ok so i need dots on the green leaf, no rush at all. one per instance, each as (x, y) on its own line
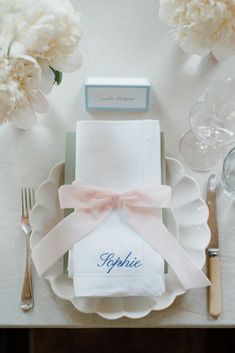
(58, 76)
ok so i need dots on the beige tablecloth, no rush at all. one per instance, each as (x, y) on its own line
(119, 40)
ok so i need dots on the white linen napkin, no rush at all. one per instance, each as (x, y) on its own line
(120, 155)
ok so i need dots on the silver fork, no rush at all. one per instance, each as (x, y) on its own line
(27, 202)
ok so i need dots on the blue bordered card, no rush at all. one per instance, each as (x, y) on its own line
(117, 93)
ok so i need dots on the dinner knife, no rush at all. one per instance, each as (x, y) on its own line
(215, 302)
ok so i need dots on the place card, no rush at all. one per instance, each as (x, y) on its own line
(116, 93)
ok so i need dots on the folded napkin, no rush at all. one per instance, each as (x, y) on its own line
(116, 230)
(113, 260)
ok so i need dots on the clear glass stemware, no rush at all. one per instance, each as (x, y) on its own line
(212, 120)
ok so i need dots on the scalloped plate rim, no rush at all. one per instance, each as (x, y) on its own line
(123, 313)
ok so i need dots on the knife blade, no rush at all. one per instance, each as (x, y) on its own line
(215, 302)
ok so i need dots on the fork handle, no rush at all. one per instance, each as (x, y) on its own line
(27, 290)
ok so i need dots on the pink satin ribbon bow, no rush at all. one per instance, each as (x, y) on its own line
(140, 208)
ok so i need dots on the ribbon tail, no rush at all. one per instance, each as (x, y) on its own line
(62, 238)
(151, 228)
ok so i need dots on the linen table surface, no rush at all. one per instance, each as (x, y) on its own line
(119, 40)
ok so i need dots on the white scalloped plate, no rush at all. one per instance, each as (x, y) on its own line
(190, 214)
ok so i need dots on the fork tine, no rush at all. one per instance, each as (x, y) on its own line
(33, 197)
(22, 203)
(26, 202)
(30, 199)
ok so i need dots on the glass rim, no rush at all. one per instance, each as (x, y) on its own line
(225, 162)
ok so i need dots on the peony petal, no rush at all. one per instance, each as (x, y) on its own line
(36, 66)
(223, 52)
(5, 105)
(69, 64)
(27, 57)
(24, 120)
(191, 47)
(18, 49)
(39, 102)
(47, 79)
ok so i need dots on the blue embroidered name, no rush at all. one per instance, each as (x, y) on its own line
(108, 260)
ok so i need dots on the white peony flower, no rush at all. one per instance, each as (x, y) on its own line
(20, 96)
(50, 32)
(201, 26)
(38, 39)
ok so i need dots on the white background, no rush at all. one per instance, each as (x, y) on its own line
(121, 38)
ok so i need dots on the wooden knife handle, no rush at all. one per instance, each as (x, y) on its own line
(215, 302)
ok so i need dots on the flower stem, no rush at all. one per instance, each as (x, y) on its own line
(9, 47)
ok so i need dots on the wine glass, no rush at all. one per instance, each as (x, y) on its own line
(212, 120)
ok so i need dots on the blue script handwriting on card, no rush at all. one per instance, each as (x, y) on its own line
(110, 261)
